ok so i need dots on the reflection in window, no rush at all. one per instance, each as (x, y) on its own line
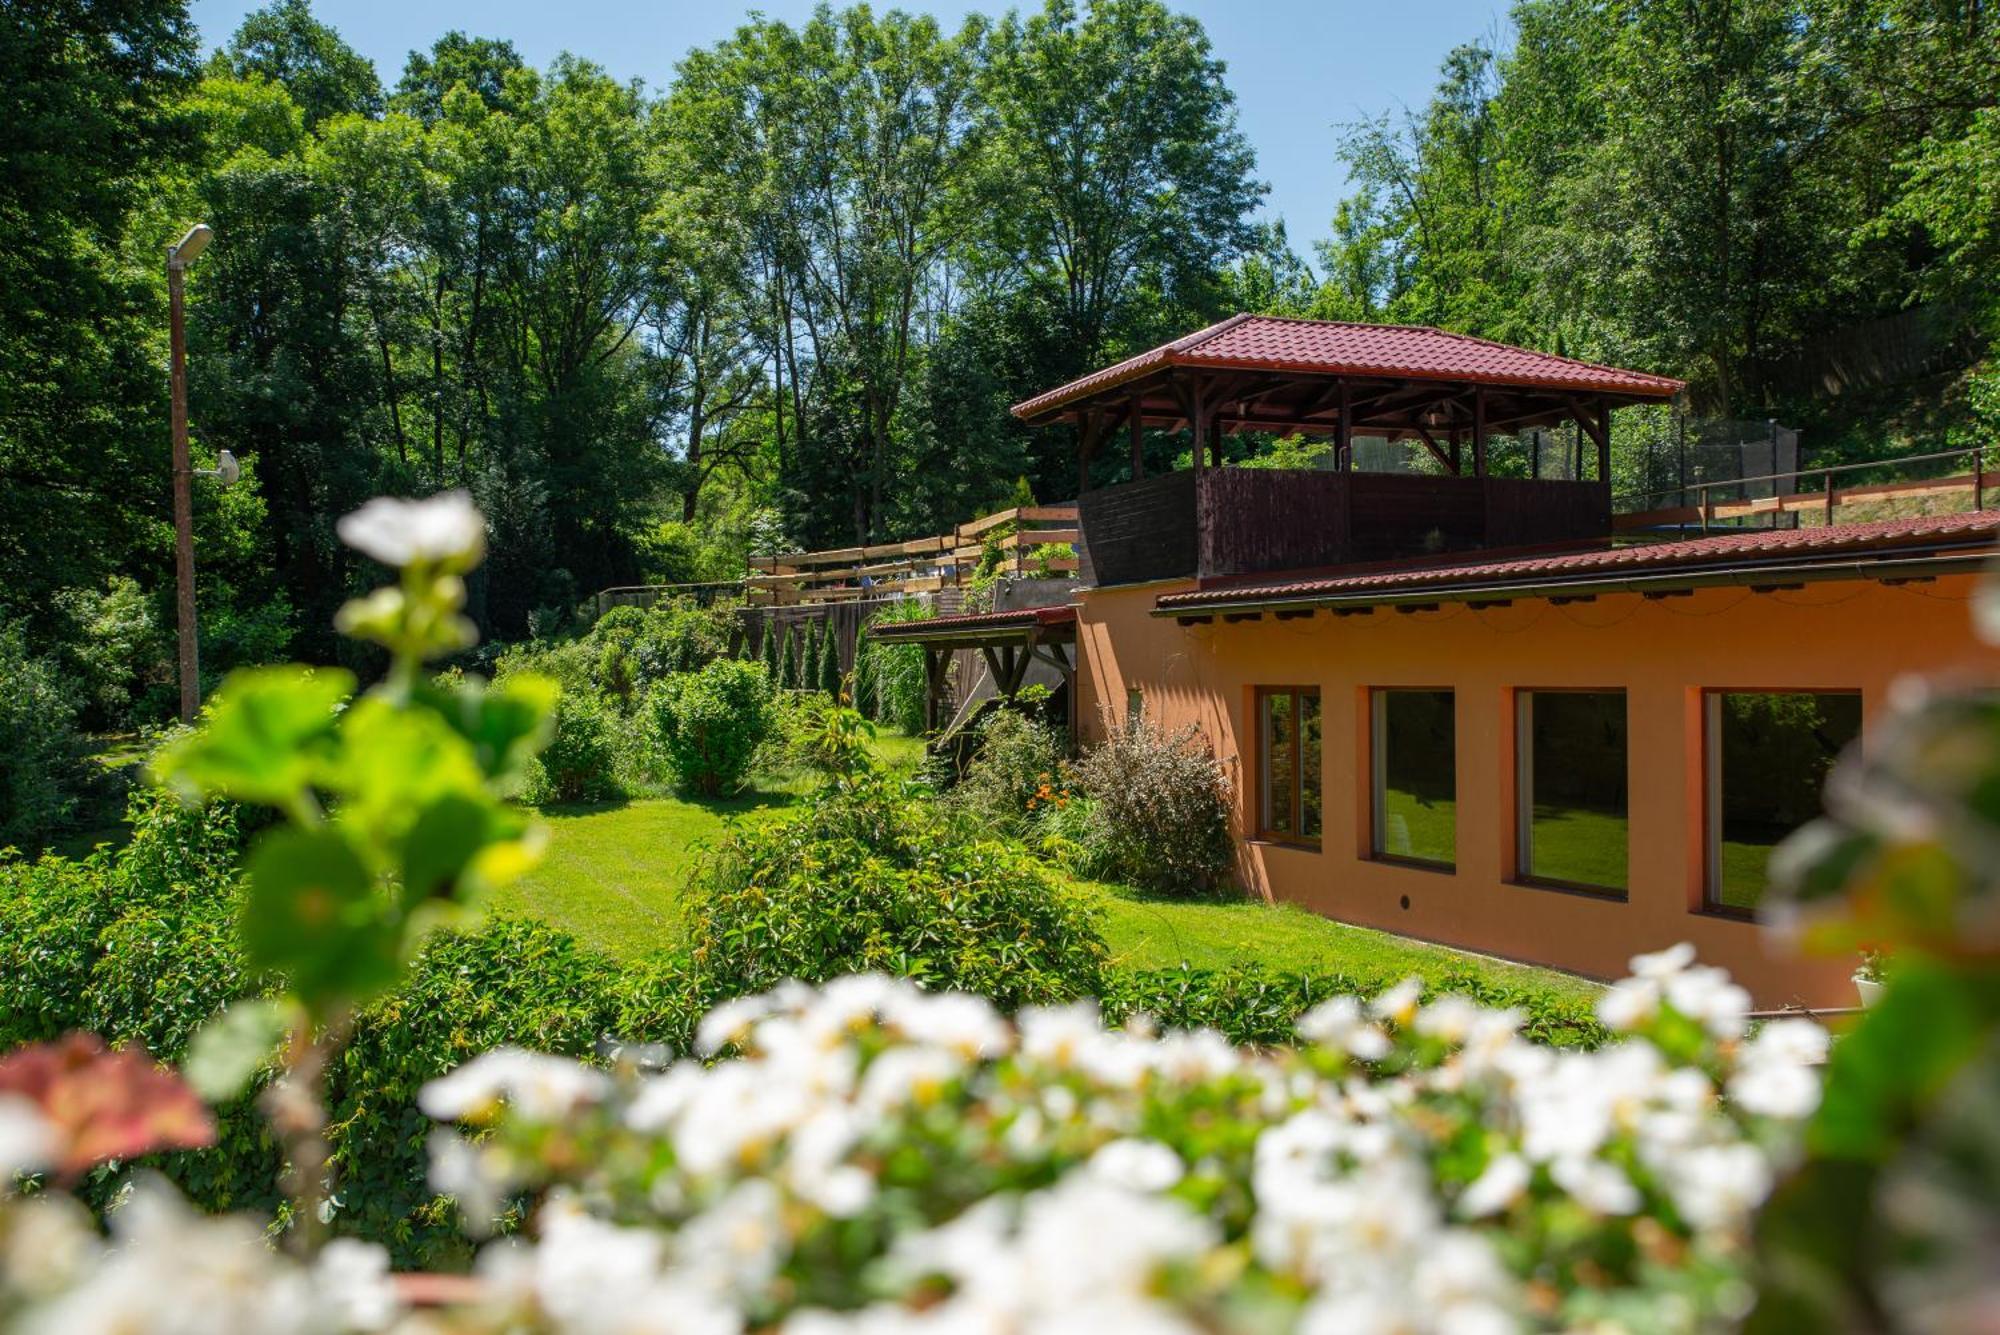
(1414, 751)
(1768, 756)
(1288, 764)
(1572, 821)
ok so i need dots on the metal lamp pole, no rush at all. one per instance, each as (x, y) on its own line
(179, 256)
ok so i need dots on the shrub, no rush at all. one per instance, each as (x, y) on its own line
(1015, 773)
(897, 670)
(113, 650)
(635, 650)
(581, 761)
(43, 774)
(706, 726)
(865, 879)
(1159, 809)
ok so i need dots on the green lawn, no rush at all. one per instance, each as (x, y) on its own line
(615, 876)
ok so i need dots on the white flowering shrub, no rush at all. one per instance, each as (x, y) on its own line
(871, 1157)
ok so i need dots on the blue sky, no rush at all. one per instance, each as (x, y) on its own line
(1299, 68)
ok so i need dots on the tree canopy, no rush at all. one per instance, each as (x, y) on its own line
(786, 298)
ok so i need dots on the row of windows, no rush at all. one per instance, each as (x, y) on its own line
(1768, 754)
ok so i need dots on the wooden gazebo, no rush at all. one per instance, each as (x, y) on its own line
(1338, 380)
(1255, 373)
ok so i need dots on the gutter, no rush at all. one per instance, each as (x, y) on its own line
(1754, 575)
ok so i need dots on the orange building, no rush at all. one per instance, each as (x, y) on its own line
(1455, 705)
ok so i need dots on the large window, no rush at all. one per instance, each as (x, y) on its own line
(1413, 754)
(1572, 783)
(1768, 754)
(1288, 732)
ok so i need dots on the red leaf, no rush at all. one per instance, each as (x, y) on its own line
(105, 1104)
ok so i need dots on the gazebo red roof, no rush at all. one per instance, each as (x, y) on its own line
(1326, 347)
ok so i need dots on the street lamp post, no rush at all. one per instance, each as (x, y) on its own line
(179, 256)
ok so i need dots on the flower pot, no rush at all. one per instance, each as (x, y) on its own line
(1869, 988)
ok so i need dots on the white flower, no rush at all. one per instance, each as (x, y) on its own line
(1503, 1183)
(1339, 1023)
(1775, 1089)
(1399, 1004)
(957, 1021)
(1137, 1165)
(1706, 994)
(907, 1075)
(731, 1022)
(1716, 1186)
(351, 1281)
(1060, 1036)
(539, 1087)
(1775, 1075)
(470, 1174)
(27, 1141)
(739, 1242)
(1801, 1042)
(1629, 1003)
(445, 529)
(1663, 964)
(1596, 1185)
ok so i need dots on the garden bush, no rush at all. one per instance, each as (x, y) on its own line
(1159, 810)
(704, 728)
(44, 777)
(867, 879)
(582, 760)
(1015, 773)
(115, 652)
(895, 671)
(634, 650)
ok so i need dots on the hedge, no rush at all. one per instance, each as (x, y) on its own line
(141, 948)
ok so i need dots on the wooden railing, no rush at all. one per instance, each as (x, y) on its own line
(1706, 505)
(919, 565)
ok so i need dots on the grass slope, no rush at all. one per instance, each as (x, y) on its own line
(615, 875)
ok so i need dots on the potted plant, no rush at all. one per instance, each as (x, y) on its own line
(1868, 978)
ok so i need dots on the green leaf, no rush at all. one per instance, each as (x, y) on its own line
(448, 840)
(507, 724)
(313, 914)
(1930, 1023)
(265, 738)
(394, 762)
(227, 1051)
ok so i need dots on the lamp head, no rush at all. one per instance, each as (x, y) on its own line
(189, 247)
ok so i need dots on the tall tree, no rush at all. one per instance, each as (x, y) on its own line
(91, 98)
(1119, 183)
(286, 44)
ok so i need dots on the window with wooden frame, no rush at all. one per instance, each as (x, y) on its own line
(1288, 764)
(1572, 824)
(1413, 781)
(1767, 755)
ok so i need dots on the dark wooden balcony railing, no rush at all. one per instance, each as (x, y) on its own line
(1246, 521)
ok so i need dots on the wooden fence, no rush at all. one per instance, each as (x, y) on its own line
(920, 565)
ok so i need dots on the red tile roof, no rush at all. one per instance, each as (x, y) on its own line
(1326, 347)
(1690, 555)
(1021, 618)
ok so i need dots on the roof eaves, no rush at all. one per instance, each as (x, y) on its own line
(1967, 551)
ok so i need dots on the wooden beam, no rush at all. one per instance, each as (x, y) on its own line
(1343, 439)
(1437, 451)
(1479, 433)
(1135, 423)
(1603, 442)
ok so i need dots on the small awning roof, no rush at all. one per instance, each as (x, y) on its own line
(1331, 349)
(1741, 557)
(974, 628)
